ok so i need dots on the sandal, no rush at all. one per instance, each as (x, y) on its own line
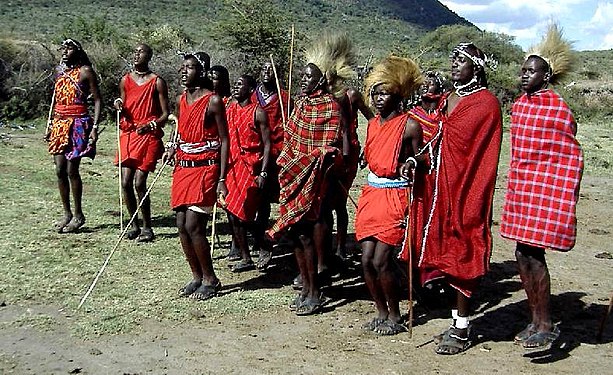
(146, 235)
(297, 282)
(234, 253)
(133, 233)
(389, 328)
(243, 265)
(525, 334)
(371, 325)
(296, 302)
(453, 342)
(190, 288)
(75, 223)
(205, 292)
(541, 340)
(309, 306)
(264, 260)
(60, 224)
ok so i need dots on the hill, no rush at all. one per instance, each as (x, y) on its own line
(380, 24)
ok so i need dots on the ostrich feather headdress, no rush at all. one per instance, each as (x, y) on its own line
(398, 75)
(333, 55)
(556, 51)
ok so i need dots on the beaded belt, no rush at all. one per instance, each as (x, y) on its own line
(197, 163)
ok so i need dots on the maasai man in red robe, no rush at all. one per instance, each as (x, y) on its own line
(71, 132)
(247, 167)
(457, 236)
(312, 145)
(391, 142)
(543, 185)
(143, 104)
(201, 158)
(353, 103)
(268, 97)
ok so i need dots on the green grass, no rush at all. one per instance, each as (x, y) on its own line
(40, 267)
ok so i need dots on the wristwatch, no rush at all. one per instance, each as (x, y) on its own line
(263, 174)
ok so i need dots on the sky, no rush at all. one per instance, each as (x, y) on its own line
(588, 23)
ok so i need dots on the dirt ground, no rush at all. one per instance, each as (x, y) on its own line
(277, 341)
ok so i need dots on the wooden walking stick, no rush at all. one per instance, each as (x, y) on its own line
(347, 194)
(213, 229)
(410, 255)
(274, 69)
(120, 175)
(123, 233)
(289, 77)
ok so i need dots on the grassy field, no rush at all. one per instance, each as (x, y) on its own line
(41, 267)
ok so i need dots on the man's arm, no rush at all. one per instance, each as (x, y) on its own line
(357, 102)
(218, 111)
(162, 90)
(261, 121)
(90, 77)
(411, 142)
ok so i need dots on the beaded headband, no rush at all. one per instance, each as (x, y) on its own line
(461, 49)
(72, 43)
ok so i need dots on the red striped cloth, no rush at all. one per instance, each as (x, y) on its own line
(544, 174)
(272, 106)
(313, 132)
(244, 163)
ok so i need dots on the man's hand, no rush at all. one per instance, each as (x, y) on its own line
(93, 136)
(260, 181)
(118, 104)
(222, 192)
(168, 156)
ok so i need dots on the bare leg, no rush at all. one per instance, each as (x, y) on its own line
(384, 265)
(319, 243)
(76, 185)
(140, 179)
(240, 234)
(342, 222)
(195, 225)
(310, 277)
(188, 247)
(127, 188)
(371, 278)
(535, 277)
(63, 185)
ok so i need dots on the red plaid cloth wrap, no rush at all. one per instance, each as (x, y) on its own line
(311, 138)
(382, 211)
(457, 237)
(245, 160)
(141, 106)
(195, 185)
(544, 173)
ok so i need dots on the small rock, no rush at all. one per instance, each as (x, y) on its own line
(603, 255)
(598, 231)
(95, 351)
(76, 371)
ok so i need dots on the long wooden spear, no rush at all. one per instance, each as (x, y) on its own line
(123, 233)
(274, 69)
(119, 178)
(289, 79)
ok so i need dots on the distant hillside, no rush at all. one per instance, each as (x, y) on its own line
(379, 24)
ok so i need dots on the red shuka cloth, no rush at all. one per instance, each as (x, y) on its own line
(141, 106)
(544, 173)
(313, 132)
(382, 211)
(272, 107)
(458, 238)
(195, 185)
(246, 151)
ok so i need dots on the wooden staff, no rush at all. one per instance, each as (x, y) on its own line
(119, 178)
(213, 229)
(123, 233)
(48, 128)
(289, 79)
(274, 69)
(347, 194)
(410, 254)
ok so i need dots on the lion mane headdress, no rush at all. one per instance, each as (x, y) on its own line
(556, 51)
(398, 75)
(333, 55)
